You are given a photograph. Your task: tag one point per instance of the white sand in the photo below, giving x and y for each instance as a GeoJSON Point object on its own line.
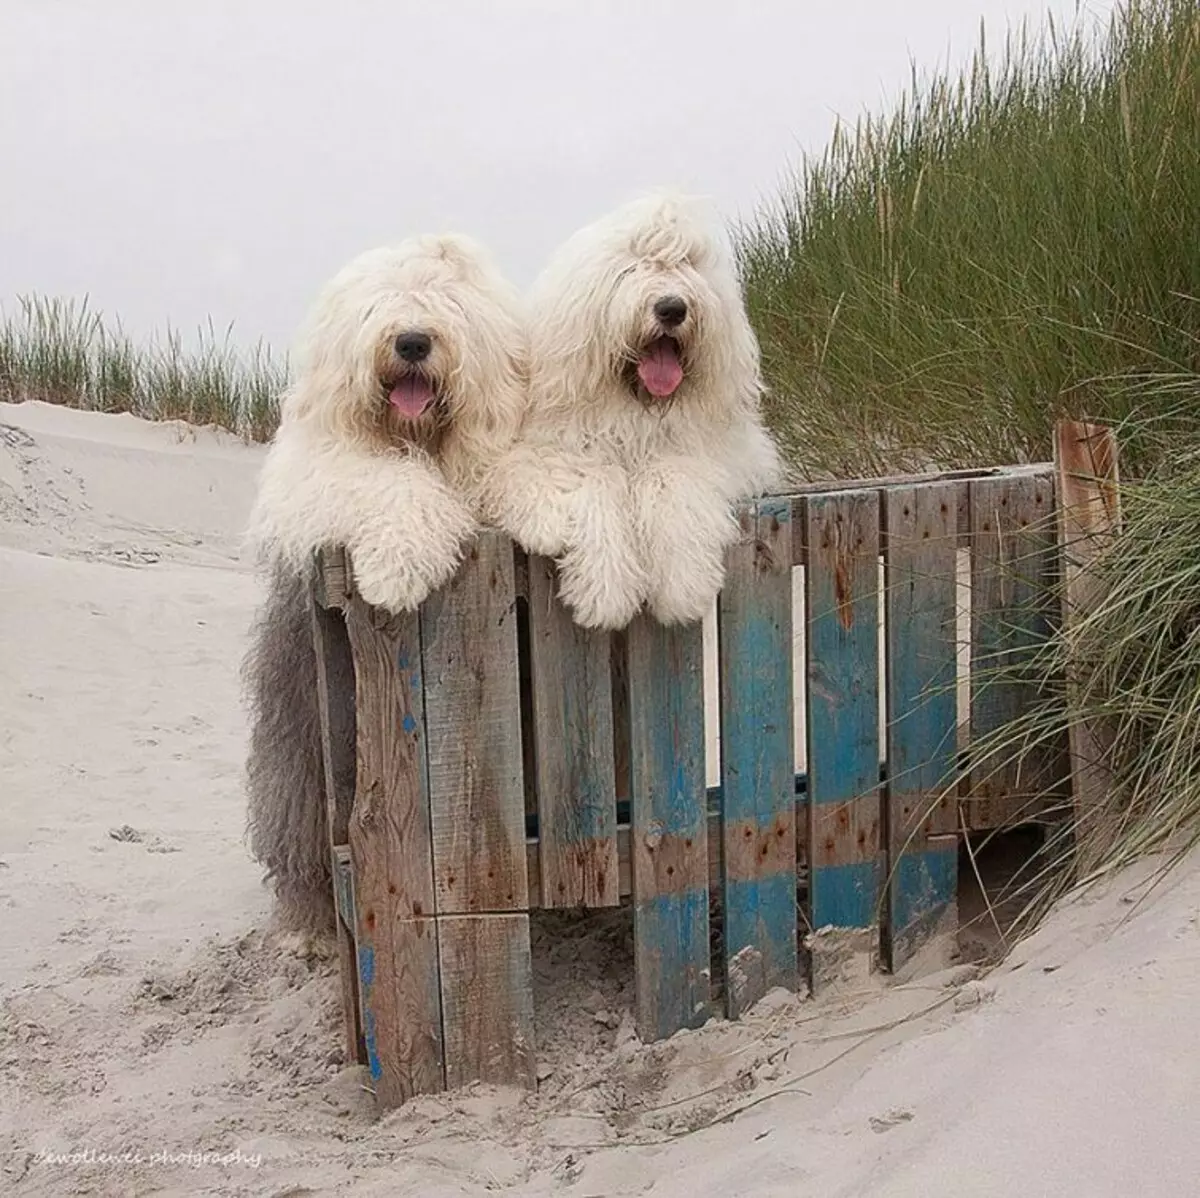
{"type": "Point", "coordinates": [148, 1009]}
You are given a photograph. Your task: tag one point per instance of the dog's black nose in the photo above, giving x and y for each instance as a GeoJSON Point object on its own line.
{"type": "Point", "coordinates": [414, 347]}
{"type": "Point", "coordinates": [670, 310]}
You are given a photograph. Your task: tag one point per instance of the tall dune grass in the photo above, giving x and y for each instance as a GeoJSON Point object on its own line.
{"type": "Point", "coordinates": [62, 352]}
{"type": "Point", "coordinates": [1011, 245]}
{"type": "Point", "coordinates": [1134, 660]}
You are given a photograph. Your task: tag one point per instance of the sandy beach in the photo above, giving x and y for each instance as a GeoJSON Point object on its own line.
{"type": "Point", "coordinates": [157, 1037]}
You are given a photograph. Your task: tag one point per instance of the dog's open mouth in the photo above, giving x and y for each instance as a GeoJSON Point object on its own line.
{"type": "Point", "coordinates": [660, 367]}
{"type": "Point", "coordinates": [411, 395]}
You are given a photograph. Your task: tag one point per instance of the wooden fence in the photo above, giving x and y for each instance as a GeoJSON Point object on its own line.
{"type": "Point", "coordinates": [508, 760]}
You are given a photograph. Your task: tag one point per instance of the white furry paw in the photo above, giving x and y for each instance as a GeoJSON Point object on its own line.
{"type": "Point", "coordinates": [685, 604]}
{"type": "Point", "coordinates": [538, 532]}
{"type": "Point", "coordinates": [395, 583]}
{"type": "Point", "coordinates": [687, 579]}
{"type": "Point", "coordinates": [600, 596]}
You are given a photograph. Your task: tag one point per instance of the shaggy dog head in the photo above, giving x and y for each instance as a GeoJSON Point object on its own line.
{"type": "Point", "coordinates": [419, 345]}
{"type": "Point", "coordinates": [643, 308]}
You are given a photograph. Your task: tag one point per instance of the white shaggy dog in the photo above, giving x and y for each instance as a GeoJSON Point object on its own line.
{"type": "Point", "coordinates": [411, 380]}
{"type": "Point", "coordinates": [643, 425]}
{"type": "Point", "coordinates": [412, 373]}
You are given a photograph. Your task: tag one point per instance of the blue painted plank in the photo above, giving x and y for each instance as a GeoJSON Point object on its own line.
{"type": "Point", "coordinates": [573, 751]}
{"type": "Point", "coordinates": [758, 810]}
{"type": "Point", "coordinates": [392, 859]}
{"type": "Point", "coordinates": [842, 679]}
{"type": "Point", "coordinates": [669, 826]}
{"type": "Point", "coordinates": [923, 889]}
{"type": "Point", "coordinates": [920, 558]}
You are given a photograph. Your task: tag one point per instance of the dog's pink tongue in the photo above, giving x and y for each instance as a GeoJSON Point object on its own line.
{"type": "Point", "coordinates": [411, 396]}
{"type": "Point", "coordinates": [660, 370]}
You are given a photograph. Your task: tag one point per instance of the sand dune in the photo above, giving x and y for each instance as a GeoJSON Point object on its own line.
{"type": "Point", "coordinates": [149, 1009]}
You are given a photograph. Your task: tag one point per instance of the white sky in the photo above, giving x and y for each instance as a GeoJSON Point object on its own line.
{"type": "Point", "coordinates": [176, 159]}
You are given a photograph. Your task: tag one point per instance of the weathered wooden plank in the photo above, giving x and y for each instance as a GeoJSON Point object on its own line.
{"type": "Point", "coordinates": [668, 837]}
{"type": "Point", "coordinates": [392, 860]}
{"type": "Point", "coordinates": [620, 712]}
{"type": "Point", "coordinates": [1089, 515]}
{"type": "Point", "coordinates": [332, 583]}
{"type": "Point", "coordinates": [473, 722]}
{"type": "Point", "coordinates": [401, 1010]}
{"type": "Point", "coordinates": [842, 681]}
{"type": "Point", "coordinates": [920, 558]}
{"type": "Point", "coordinates": [1012, 557]}
{"type": "Point", "coordinates": [573, 739]}
{"type": "Point", "coordinates": [885, 482]}
{"type": "Point", "coordinates": [335, 704]}
{"type": "Point", "coordinates": [757, 758]}
{"type": "Point", "coordinates": [487, 999]}
{"type": "Point", "coordinates": [335, 700]}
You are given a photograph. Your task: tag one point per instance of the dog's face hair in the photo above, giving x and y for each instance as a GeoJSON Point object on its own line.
{"type": "Point", "coordinates": [408, 345]}
{"type": "Point", "coordinates": [648, 297]}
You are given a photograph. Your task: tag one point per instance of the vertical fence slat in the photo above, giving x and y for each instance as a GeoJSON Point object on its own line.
{"type": "Point", "coordinates": [842, 679]}
{"type": "Point", "coordinates": [477, 801]}
{"type": "Point", "coordinates": [390, 849]}
{"type": "Point", "coordinates": [1089, 515]}
{"type": "Point", "coordinates": [669, 833]}
{"type": "Point", "coordinates": [757, 758]}
{"type": "Point", "coordinates": [487, 999]}
{"type": "Point", "coordinates": [335, 704]}
{"type": "Point", "coordinates": [1012, 558]}
{"type": "Point", "coordinates": [573, 748]}
{"type": "Point", "coordinates": [473, 722]}
{"type": "Point", "coordinates": [920, 556]}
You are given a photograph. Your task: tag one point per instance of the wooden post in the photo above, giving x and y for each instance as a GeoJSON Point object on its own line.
{"type": "Point", "coordinates": [844, 842]}
{"type": "Point", "coordinates": [391, 856]}
{"type": "Point", "coordinates": [1012, 552]}
{"type": "Point", "coordinates": [1089, 515]}
{"type": "Point", "coordinates": [920, 557]}
{"type": "Point", "coordinates": [477, 802]}
{"type": "Point", "coordinates": [573, 751]}
{"type": "Point", "coordinates": [758, 816]}
{"type": "Point", "coordinates": [668, 833]}
{"type": "Point", "coordinates": [335, 701]}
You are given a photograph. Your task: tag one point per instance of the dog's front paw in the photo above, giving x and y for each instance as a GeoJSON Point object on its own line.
{"type": "Point", "coordinates": [685, 586]}
{"type": "Point", "coordinates": [538, 533]}
{"type": "Point", "coordinates": [688, 605]}
{"type": "Point", "coordinates": [600, 596]}
{"type": "Point", "coordinates": [396, 583]}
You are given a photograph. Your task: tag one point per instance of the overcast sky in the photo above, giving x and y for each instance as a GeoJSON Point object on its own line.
{"type": "Point", "coordinates": [177, 160]}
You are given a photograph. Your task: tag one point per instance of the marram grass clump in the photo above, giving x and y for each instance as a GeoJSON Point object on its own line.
{"type": "Point", "coordinates": [1008, 246]}
{"type": "Point", "coordinates": [1133, 661]}
{"type": "Point", "coordinates": [61, 352]}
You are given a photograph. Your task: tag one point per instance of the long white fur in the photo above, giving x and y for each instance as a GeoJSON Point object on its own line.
{"type": "Point", "coordinates": [340, 470]}
{"type": "Point", "coordinates": [402, 495]}
{"type": "Point", "coordinates": [637, 501]}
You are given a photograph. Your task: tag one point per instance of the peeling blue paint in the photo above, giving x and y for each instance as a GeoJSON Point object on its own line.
{"type": "Point", "coordinates": [845, 896]}
{"type": "Point", "coordinates": [373, 1062]}
{"type": "Point", "coordinates": [669, 928]}
{"type": "Point", "coordinates": [924, 884]}
{"type": "Point", "coordinates": [366, 965]}
{"type": "Point", "coordinates": [757, 755]}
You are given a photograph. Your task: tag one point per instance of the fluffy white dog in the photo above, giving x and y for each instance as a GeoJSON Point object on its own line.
{"type": "Point", "coordinates": [412, 373]}
{"type": "Point", "coordinates": [412, 379]}
{"type": "Point", "coordinates": [643, 426]}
